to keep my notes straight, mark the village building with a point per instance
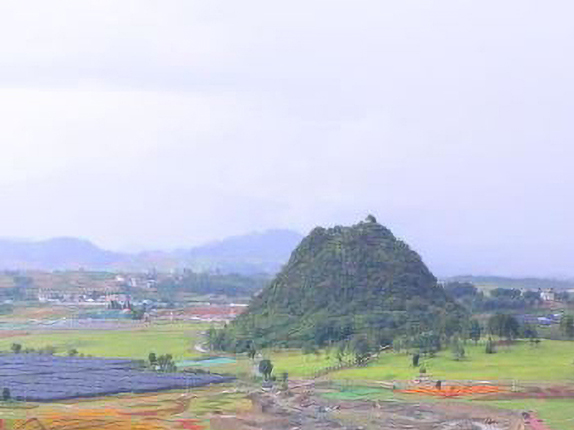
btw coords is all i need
(548, 295)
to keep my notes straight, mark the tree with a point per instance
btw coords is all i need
(361, 349)
(6, 394)
(137, 314)
(266, 368)
(309, 348)
(457, 349)
(504, 325)
(416, 359)
(427, 343)
(460, 289)
(340, 353)
(162, 363)
(506, 293)
(23, 282)
(475, 331)
(166, 363)
(567, 326)
(490, 348)
(532, 296)
(371, 219)
(530, 332)
(16, 348)
(152, 358)
(284, 380)
(212, 338)
(72, 352)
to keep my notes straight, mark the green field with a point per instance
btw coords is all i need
(550, 361)
(176, 339)
(292, 361)
(557, 413)
(298, 364)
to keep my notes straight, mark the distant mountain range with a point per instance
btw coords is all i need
(506, 282)
(262, 252)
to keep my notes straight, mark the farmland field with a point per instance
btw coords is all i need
(153, 411)
(557, 413)
(40, 377)
(550, 361)
(292, 361)
(520, 361)
(177, 339)
(298, 364)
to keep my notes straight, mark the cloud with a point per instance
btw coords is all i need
(175, 122)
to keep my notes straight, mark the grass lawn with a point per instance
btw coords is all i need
(550, 361)
(297, 364)
(358, 392)
(177, 339)
(292, 361)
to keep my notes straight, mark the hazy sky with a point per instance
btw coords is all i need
(164, 123)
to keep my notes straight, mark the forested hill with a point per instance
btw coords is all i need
(343, 282)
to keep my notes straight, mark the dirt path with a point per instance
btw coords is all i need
(199, 348)
(303, 409)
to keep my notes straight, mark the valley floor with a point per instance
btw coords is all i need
(340, 399)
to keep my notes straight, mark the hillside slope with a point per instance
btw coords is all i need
(340, 282)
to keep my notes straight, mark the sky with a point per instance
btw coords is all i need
(169, 123)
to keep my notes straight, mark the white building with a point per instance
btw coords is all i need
(548, 295)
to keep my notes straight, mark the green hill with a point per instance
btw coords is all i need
(343, 282)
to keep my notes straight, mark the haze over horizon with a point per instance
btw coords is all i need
(160, 125)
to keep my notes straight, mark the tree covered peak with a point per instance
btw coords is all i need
(357, 279)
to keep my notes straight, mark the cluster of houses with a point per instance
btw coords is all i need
(205, 312)
(547, 295)
(147, 282)
(82, 297)
(98, 295)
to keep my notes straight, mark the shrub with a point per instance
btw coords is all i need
(416, 359)
(490, 348)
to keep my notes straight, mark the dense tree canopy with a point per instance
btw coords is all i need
(341, 283)
(212, 283)
(503, 325)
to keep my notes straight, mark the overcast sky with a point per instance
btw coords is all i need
(159, 124)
